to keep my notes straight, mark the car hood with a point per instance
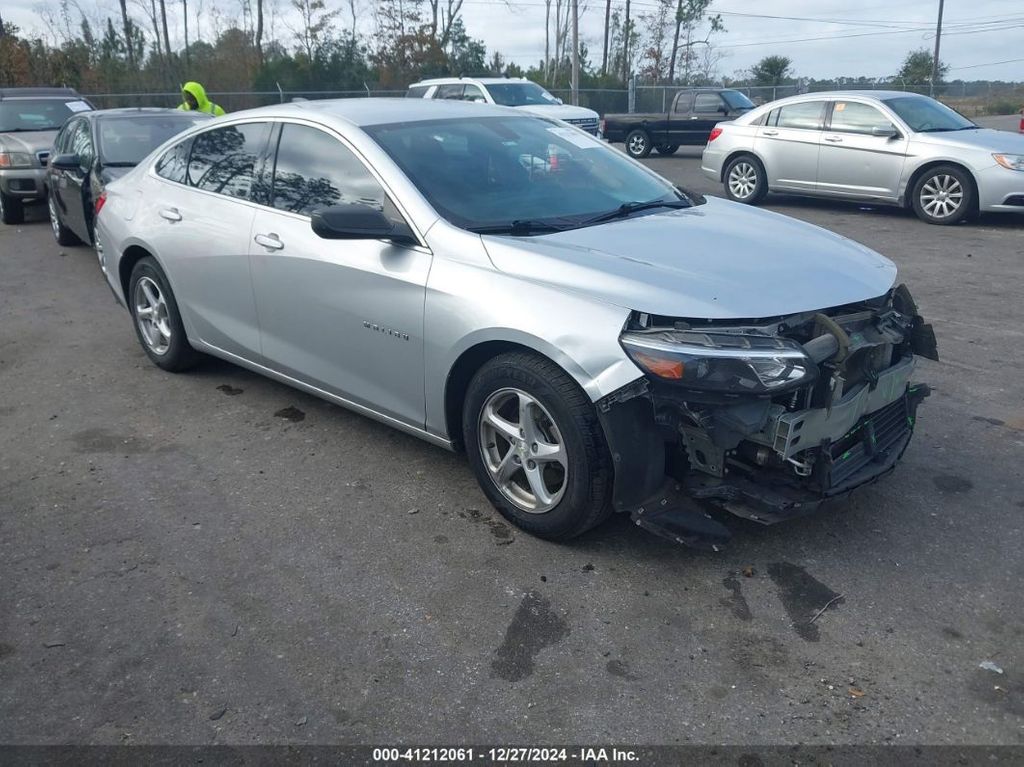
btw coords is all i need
(28, 141)
(560, 111)
(720, 260)
(985, 138)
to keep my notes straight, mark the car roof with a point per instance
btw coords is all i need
(379, 111)
(96, 114)
(483, 80)
(57, 93)
(849, 94)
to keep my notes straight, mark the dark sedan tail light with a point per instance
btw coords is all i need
(100, 202)
(715, 133)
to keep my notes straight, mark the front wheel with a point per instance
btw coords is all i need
(157, 320)
(638, 144)
(535, 444)
(668, 149)
(745, 180)
(943, 195)
(12, 210)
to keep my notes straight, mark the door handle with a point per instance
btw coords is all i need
(171, 214)
(270, 241)
(769, 133)
(833, 139)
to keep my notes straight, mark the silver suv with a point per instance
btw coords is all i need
(29, 121)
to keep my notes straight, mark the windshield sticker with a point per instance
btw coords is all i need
(840, 106)
(78, 106)
(576, 138)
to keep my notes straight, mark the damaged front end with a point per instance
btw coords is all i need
(766, 419)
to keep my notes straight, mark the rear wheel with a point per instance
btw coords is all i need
(538, 451)
(12, 210)
(943, 195)
(157, 320)
(638, 144)
(61, 233)
(667, 149)
(745, 180)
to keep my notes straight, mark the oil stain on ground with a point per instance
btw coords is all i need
(736, 601)
(230, 390)
(290, 413)
(501, 532)
(619, 668)
(534, 627)
(802, 596)
(950, 483)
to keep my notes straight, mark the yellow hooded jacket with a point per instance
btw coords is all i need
(204, 104)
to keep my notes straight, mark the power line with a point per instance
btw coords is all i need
(987, 64)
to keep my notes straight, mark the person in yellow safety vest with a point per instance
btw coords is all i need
(194, 96)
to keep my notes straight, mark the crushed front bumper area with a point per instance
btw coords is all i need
(678, 453)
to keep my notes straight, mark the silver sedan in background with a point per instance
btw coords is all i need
(887, 147)
(594, 338)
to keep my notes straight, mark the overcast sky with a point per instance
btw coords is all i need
(870, 40)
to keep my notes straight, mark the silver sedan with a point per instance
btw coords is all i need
(510, 286)
(887, 147)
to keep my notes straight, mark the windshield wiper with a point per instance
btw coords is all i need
(629, 208)
(518, 228)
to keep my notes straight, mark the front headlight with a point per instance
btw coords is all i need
(1011, 161)
(720, 362)
(15, 160)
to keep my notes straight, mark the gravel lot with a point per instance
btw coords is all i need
(181, 564)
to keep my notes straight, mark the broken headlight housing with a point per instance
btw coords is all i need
(728, 363)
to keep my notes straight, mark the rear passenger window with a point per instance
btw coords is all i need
(417, 91)
(173, 164)
(224, 160)
(808, 115)
(707, 103)
(683, 101)
(449, 92)
(315, 170)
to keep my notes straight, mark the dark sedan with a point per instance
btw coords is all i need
(94, 148)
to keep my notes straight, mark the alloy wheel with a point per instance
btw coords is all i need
(151, 315)
(941, 196)
(742, 180)
(637, 145)
(54, 221)
(523, 450)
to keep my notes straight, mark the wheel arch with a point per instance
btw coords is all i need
(908, 191)
(126, 264)
(481, 351)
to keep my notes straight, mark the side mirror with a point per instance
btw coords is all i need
(889, 132)
(723, 110)
(559, 101)
(359, 222)
(66, 162)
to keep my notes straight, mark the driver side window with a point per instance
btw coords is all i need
(707, 103)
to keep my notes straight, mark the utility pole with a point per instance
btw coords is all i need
(626, 34)
(935, 57)
(607, 23)
(575, 53)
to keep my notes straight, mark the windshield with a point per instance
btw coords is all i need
(519, 94)
(126, 140)
(490, 172)
(737, 100)
(36, 114)
(925, 115)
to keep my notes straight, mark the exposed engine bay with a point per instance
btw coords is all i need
(765, 418)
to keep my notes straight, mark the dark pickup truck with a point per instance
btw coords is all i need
(694, 113)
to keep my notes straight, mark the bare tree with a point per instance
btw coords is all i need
(607, 23)
(163, 19)
(547, 40)
(690, 14)
(259, 31)
(127, 25)
(184, 14)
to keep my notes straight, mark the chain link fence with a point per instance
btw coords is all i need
(965, 97)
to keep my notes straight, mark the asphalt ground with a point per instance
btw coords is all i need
(214, 558)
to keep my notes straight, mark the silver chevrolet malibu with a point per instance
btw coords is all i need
(594, 338)
(886, 147)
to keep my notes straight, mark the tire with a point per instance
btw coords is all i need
(638, 144)
(61, 233)
(577, 486)
(943, 195)
(667, 149)
(744, 180)
(163, 339)
(12, 210)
